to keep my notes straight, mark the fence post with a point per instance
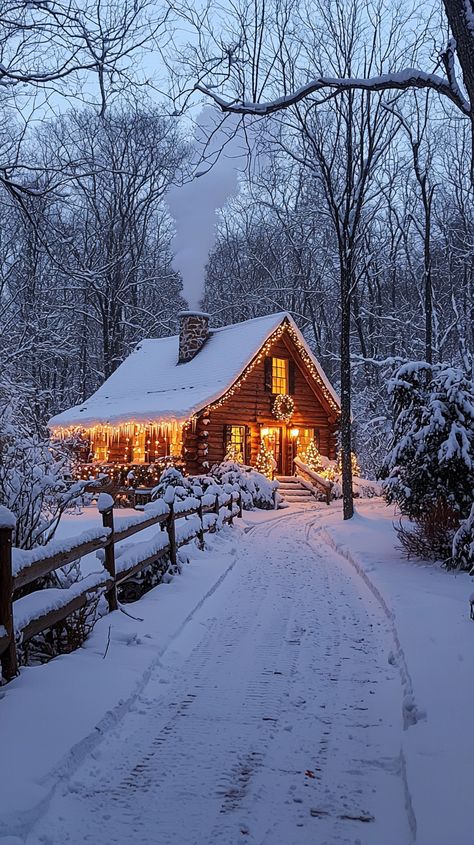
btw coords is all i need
(171, 528)
(231, 509)
(109, 562)
(201, 530)
(216, 510)
(8, 658)
(239, 502)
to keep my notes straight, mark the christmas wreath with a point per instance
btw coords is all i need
(283, 407)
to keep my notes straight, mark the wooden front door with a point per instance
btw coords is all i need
(273, 438)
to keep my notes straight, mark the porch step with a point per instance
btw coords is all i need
(287, 479)
(293, 491)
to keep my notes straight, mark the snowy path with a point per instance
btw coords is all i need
(274, 718)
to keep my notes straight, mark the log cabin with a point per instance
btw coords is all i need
(203, 393)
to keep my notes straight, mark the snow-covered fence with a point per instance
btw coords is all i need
(23, 618)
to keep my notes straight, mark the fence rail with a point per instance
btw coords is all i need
(117, 569)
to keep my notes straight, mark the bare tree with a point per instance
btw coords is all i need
(422, 143)
(85, 50)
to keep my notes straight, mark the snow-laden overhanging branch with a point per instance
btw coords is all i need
(401, 80)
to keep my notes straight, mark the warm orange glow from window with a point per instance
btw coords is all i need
(138, 446)
(279, 375)
(305, 436)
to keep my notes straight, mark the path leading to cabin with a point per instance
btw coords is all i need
(274, 718)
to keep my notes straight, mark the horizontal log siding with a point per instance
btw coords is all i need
(251, 405)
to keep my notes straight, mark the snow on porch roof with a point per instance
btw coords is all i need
(150, 385)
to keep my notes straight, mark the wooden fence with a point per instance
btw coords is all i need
(118, 567)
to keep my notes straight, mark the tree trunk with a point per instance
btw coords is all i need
(428, 290)
(346, 437)
(460, 15)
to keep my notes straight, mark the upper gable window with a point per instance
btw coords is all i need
(280, 380)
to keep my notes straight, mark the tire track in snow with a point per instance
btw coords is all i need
(391, 764)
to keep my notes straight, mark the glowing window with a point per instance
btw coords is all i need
(305, 436)
(279, 375)
(138, 446)
(236, 442)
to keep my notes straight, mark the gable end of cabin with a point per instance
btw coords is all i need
(244, 415)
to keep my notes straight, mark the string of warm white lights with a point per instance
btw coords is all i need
(114, 433)
(137, 440)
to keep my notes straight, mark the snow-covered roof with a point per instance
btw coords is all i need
(150, 385)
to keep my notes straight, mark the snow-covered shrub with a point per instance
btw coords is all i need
(429, 470)
(365, 488)
(172, 485)
(463, 545)
(32, 473)
(234, 474)
(257, 490)
(265, 491)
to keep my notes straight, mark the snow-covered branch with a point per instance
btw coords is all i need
(398, 81)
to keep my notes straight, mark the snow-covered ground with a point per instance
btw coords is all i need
(428, 609)
(298, 683)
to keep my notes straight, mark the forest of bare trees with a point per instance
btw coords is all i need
(86, 271)
(355, 213)
(86, 158)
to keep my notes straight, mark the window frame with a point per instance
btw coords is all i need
(276, 377)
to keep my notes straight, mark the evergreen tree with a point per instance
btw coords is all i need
(312, 457)
(431, 456)
(429, 469)
(233, 454)
(265, 462)
(354, 464)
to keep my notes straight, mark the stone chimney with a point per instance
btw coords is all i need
(193, 333)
